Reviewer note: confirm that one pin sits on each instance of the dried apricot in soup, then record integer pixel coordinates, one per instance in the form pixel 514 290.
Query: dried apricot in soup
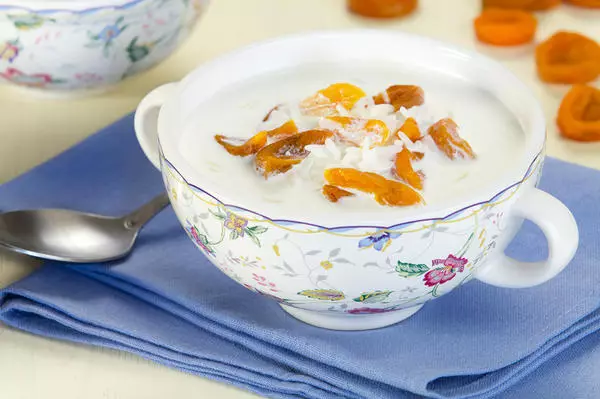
pixel 584 3
pixel 445 136
pixel 579 114
pixel 382 8
pixel 355 131
pixel 404 170
pixel 386 192
pixel 325 101
pixel 568 57
pixel 528 5
pixel 334 194
pixel 282 155
pixel 251 146
pixel 287 129
pixel 406 96
pixel 500 27
pixel 410 128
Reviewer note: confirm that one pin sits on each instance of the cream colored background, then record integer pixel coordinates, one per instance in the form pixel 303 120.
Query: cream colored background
pixel 32 130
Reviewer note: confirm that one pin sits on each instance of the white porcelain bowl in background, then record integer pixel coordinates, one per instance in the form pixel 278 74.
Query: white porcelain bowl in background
pixel 65 45
pixel 361 271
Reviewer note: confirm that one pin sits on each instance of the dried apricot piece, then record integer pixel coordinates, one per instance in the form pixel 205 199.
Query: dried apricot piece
pixel 505 27
pixel 355 130
pixel 404 169
pixel 579 114
pixel 585 3
pixel 411 129
pixel 334 194
pixel 568 57
pixel 528 5
pixel 325 101
pixel 282 155
pixel 406 96
pixel 289 128
pixel 445 135
pixel 382 8
pixel 386 192
pixel 249 147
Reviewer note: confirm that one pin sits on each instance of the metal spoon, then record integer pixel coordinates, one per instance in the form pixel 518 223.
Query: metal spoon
pixel 72 236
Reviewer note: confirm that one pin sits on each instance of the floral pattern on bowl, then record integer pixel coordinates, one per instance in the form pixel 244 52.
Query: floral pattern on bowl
pixel 309 267
pixel 82 49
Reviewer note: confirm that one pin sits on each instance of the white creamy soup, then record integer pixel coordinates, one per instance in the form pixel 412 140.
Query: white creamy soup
pixel 238 110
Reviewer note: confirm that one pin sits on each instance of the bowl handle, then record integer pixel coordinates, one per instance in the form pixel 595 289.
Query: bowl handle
pixel 558 225
pixel 146 121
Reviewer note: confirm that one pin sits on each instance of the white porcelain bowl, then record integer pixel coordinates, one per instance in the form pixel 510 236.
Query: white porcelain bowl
pixel 63 45
pixel 360 272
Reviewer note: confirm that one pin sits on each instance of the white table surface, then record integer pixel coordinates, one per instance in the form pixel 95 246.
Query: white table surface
pixel 34 129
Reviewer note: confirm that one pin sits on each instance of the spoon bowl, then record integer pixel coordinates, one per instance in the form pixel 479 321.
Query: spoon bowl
pixel 77 237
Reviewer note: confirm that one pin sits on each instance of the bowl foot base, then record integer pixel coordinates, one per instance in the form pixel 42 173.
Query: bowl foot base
pixel 350 322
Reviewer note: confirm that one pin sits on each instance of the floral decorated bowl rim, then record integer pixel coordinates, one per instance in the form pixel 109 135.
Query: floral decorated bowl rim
pixel 298 48
pixel 61 6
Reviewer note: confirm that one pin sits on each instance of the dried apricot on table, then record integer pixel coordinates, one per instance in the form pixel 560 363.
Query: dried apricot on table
pixel 406 96
pixel 382 8
pixel 568 57
pixel 528 5
pixel 386 192
pixel 579 114
pixel 245 148
pixel 282 155
pixel 584 3
pixel 411 129
pixel 334 194
pixel 445 136
pixel 505 27
pixel 354 130
pixel 325 101
pixel 289 128
pixel 404 170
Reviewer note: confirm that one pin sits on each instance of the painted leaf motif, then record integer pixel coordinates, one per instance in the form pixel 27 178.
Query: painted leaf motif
pixel 373 297
pixel 323 295
pixel 258 229
pixel 411 269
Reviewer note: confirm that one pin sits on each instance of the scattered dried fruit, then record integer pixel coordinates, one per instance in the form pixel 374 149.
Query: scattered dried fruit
pixel 334 194
pixel 579 114
pixel 382 8
pixel 404 169
pixel 325 101
pixel 411 129
pixel 445 135
pixel 406 96
pixel 249 147
pixel 354 130
pixel 386 192
pixel 287 129
pixel 501 27
pixel 268 115
pixel 280 156
pixel 528 5
pixel 568 57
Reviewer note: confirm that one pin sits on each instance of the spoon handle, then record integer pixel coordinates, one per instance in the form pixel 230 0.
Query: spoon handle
pixel 136 219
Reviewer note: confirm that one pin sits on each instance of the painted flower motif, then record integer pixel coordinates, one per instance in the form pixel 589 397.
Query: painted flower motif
pixel 263 282
pixel 380 241
pixel 366 311
pixel 326 265
pixel 89 77
pixel 323 294
pixel 10 50
pixel 200 239
pixel 451 266
pixel 34 80
pixel 111 32
pixel 235 223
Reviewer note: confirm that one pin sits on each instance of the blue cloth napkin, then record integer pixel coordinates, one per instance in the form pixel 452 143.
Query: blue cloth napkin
pixel 167 303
